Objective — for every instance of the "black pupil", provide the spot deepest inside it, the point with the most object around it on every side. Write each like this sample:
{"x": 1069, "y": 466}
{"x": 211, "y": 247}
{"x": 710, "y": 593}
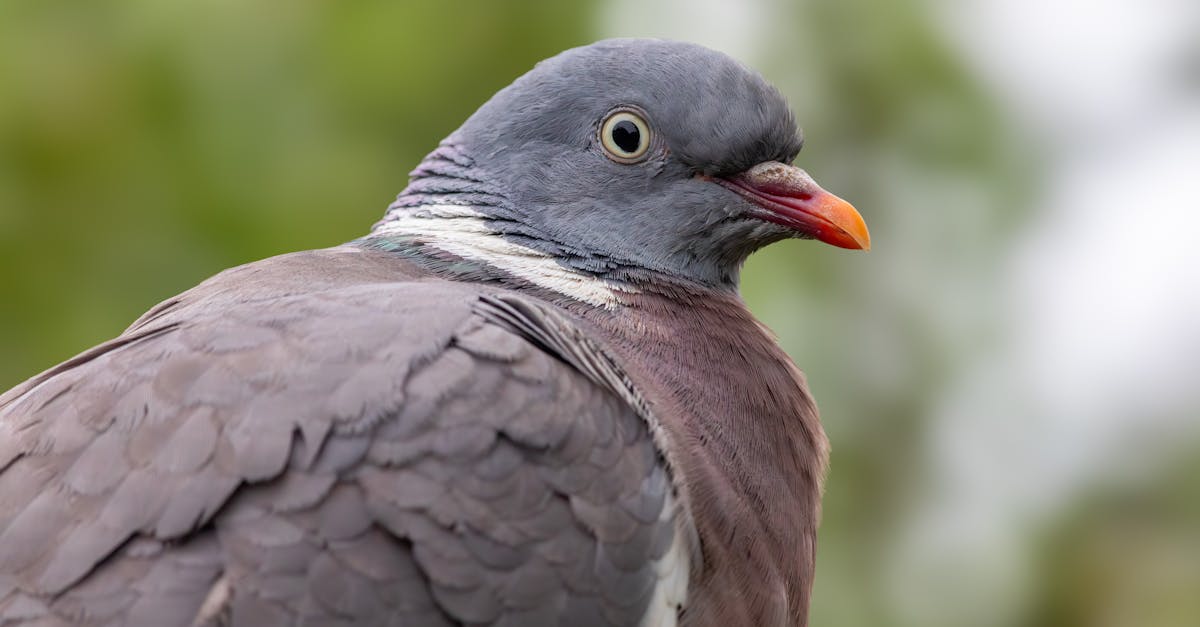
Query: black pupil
{"x": 626, "y": 136}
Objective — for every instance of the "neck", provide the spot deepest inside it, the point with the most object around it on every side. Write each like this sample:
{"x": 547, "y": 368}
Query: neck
{"x": 454, "y": 222}
{"x": 458, "y": 239}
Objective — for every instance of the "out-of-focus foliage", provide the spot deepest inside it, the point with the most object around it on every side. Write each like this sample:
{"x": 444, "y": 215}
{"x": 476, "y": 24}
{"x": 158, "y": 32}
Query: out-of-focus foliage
{"x": 1126, "y": 554}
{"x": 145, "y": 145}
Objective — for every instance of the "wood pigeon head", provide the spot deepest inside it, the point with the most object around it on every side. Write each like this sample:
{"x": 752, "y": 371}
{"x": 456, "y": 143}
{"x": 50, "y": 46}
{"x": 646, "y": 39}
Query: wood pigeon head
{"x": 635, "y": 158}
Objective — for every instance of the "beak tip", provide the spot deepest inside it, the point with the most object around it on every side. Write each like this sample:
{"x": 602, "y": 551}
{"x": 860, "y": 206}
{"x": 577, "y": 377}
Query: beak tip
{"x": 850, "y": 222}
{"x": 853, "y": 242}
{"x": 863, "y": 240}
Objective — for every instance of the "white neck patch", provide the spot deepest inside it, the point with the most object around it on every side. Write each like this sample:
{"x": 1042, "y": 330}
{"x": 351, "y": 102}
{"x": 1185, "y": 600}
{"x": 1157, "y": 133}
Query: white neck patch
{"x": 461, "y": 231}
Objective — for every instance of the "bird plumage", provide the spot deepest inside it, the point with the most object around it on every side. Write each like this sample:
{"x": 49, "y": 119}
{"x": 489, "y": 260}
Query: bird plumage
{"x": 530, "y": 396}
{"x": 336, "y": 437}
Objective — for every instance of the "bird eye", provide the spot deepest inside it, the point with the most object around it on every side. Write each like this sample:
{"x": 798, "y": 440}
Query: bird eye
{"x": 625, "y": 136}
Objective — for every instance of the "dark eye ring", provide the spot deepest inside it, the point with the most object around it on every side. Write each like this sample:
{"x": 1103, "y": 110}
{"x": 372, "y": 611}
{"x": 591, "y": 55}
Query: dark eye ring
{"x": 625, "y": 136}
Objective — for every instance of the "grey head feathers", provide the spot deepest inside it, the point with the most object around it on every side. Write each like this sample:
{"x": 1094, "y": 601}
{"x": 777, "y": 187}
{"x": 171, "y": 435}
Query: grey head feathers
{"x": 528, "y": 168}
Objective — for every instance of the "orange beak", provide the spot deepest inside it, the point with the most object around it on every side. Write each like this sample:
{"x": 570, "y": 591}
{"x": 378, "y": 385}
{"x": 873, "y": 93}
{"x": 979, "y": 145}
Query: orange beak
{"x": 789, "y": 197}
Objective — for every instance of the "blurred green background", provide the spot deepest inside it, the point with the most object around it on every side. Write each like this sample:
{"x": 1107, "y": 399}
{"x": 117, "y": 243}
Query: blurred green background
{"x": 1007, "y": 378}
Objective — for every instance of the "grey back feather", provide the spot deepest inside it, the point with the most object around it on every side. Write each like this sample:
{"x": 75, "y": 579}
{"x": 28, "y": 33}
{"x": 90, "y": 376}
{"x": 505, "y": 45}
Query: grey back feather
{"x": 328, "y": 438}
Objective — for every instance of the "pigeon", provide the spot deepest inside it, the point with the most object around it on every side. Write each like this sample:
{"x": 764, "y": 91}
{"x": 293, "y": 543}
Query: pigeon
{"x": 530, "y": 395}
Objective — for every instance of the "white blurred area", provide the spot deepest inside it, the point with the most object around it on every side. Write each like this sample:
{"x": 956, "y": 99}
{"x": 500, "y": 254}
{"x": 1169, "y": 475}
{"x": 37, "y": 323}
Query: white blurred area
{"x": 1090, "y": 371}
{"x": 1096, "y": 377}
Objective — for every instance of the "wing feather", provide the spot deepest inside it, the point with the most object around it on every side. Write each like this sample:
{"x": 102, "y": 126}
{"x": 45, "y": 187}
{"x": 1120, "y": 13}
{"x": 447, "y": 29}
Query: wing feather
{"x": 323, "y": 438}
